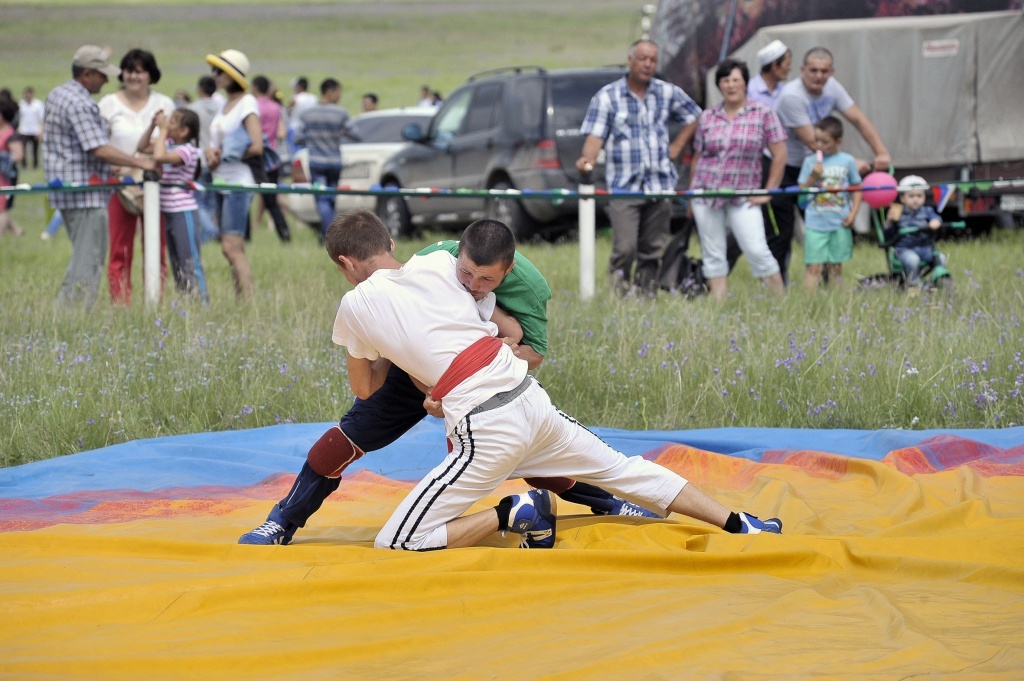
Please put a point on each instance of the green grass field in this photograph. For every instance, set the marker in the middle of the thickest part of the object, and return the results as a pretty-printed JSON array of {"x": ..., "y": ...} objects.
[
  {"x": 841, "y": 358},
  {"x": 386, "y": 47}
]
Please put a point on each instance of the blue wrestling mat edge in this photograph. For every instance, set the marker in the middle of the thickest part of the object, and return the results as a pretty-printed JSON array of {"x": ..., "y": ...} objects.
[{"x": 245, "y": 457}]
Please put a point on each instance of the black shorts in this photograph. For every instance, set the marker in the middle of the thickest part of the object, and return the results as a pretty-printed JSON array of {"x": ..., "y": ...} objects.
[{"x": 387, "y": 414}]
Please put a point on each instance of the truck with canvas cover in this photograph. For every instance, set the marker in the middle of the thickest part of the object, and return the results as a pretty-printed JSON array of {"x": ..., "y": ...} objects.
[{"x": 944, "y": 91}]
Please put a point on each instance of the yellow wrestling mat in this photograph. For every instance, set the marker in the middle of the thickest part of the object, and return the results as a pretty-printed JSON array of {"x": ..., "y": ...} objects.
[{"x": 887, "y": 569}]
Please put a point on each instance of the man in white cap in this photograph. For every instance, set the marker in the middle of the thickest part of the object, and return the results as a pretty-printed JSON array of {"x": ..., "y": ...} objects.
[
  {"x": 775, "y": 60},
  {"x": 76, "y": 148}
]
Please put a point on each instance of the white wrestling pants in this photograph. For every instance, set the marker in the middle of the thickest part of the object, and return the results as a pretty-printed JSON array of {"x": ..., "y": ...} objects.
[{"x": 527, "y": 437}]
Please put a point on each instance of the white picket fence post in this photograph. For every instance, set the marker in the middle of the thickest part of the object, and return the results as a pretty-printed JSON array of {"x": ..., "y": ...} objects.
[
  {"x": 587, "y": 239},
  {"x": 151, "y": 234}
]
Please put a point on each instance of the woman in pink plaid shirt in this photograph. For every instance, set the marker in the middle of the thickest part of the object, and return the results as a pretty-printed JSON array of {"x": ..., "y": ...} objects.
[{"x": 730, "y": 140}]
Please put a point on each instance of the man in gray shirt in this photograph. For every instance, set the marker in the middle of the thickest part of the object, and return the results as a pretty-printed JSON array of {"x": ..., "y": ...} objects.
[
  {"x": 320, "y": 129},
  {"x": 803, "y": 102}
]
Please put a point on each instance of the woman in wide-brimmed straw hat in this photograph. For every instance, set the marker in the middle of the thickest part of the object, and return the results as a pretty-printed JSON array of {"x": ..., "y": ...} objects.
[{"x": 240, "y": 111}]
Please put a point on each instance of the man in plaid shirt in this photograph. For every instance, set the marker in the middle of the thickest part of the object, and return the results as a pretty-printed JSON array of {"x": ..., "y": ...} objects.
[
  {"x": 76, "y": 147},
  {"x": 632, "y": 116}
]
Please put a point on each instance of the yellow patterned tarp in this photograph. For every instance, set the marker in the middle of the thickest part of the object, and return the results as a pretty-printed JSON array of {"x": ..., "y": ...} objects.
[{"x": 890, "y": 569}]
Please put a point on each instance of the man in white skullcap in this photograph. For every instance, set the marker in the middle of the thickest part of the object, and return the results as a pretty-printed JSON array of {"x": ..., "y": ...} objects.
[{"x": 775, "y": 60}]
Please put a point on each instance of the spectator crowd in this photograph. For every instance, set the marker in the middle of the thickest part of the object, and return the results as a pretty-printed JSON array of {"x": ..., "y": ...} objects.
[{"x": 766, "y": 133}]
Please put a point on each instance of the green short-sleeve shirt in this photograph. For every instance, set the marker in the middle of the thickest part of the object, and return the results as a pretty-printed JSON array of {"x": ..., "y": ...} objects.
[{"x": 523, "y": 293}]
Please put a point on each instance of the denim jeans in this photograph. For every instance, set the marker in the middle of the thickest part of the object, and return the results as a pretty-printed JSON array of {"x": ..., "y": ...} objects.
[
  {"x": 55, "y": 222},
  {"x": 207, "y": 201},
  {"x": 233, "y": 210},
  {"x": 913, "y": 258},
  {"x": 328, "y": 176}
]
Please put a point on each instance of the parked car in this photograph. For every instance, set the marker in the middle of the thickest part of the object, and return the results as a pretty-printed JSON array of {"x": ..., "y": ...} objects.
[
  {"x": 515, "y": 128},
  {"x": 371, "y": 139}
]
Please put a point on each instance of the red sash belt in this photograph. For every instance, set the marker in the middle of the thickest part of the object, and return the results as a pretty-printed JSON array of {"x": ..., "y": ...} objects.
[{"x": 466, "y": 363}]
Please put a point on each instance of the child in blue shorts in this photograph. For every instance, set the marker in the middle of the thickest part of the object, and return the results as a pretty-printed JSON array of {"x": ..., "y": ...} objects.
[{"x": 828, "y": 238}]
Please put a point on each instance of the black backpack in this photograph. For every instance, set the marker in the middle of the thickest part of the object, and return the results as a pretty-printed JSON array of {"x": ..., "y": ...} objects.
[{"x": 679, "y": 272}]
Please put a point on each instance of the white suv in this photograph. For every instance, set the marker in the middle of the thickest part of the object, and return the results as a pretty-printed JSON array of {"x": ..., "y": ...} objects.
[{"x": 371, "y": 139}]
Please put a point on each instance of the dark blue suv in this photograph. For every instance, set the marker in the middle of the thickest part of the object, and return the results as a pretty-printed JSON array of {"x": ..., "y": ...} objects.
[{"x": 515, "y": 128}]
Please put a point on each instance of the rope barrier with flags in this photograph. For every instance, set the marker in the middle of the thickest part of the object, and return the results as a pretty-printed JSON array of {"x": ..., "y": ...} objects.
[{"x": 587, "y": 194}]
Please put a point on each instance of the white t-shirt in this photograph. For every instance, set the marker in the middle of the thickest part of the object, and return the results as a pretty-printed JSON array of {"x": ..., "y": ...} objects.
[
  {"x": 420, "y": 317},
  {"x": 222, "y": 125},
  {"x": 126, "y": 125},
  {"x": 303, "y": 101},
  {"x": 30, "y": 117}
]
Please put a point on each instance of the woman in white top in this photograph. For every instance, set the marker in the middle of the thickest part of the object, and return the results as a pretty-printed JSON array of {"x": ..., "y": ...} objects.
[
  {"x": 227, "y": 162},
  {"x": 129, "y": 112}
]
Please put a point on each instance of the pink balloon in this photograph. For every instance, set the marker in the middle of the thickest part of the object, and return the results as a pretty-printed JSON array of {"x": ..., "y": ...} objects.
[{"x": 879, "y": 189}]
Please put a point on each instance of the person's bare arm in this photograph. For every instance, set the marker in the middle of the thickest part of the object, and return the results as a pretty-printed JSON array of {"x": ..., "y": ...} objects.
[
  {"x": 775, "y": 171},
  {"x": 145, "y": 145},
  {"x": 17, "y": 151},
  {"x": 693, "y": 168},
  {"x": 510, "y": 329},
  {"x": 365, "y": 376},
  {"x": 676, "y": 146},
  {"x": 805, "y": 133},
  {"x": 870, "y": 134},
  {"x": 252, "y": 126},
  {"x": 111, "y": 155},
  {"x": 508, "y": 326},
  {"x": 282, "y": 130},
  {"x": 855, "y": 199},
  {"x": 212, "y": 155},
  {"x": 160, "y": 153},
  {"x": 526, "y": 353},
  {"x": 778, "y": 167},
  {"x": 592, "y": 146},
  {"x": 432, "y": 406}
]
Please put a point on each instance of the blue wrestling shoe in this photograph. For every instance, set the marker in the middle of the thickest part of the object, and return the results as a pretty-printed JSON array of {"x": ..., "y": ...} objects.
[
  {"x": 275, "y": 530},
  {"x": 623, "y": 507},
  {"x": 533, "y": 516},
  {"x": 752, "y": 525}
]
